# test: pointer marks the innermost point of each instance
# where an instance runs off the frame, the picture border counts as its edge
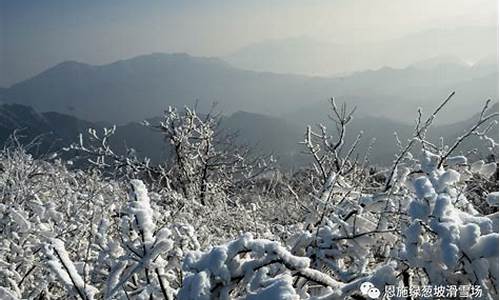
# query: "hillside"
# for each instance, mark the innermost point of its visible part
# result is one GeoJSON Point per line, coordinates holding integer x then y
{"type": "Point", "coordinates": [58, 130]}
{"type": "Point", "coordinates": [263, 133]}
{"type": "Point", "coordinates": [144, 86]}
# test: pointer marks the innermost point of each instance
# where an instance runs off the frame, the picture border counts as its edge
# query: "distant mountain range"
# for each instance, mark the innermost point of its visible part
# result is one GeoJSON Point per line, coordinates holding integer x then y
{"type": "Point", "coordinates": [269, 110]}
{"type": "Point", "coordinates": [265, 134]}
{"type": "Point", "coordinates": [55, 130]}
{"type": "Point", "coordinates": [60, 130]}
{"type": "Point", "coordinates": [307, 56]}
{"type": "Point", "coordinates": [144, 86]}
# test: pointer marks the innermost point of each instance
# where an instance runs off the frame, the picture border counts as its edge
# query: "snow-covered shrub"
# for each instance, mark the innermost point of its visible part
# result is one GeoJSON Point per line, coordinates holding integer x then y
{"type": "Point", "coordinates": [429, 219]}
{"type": "Point", "coordinates": [447, 241]}
{"type": "Point", "coordinates": [206, 162]}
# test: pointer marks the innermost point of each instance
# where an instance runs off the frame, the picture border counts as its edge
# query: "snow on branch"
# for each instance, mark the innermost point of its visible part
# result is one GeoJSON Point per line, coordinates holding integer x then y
{"type": "Point", "coordinates": [60, 263]}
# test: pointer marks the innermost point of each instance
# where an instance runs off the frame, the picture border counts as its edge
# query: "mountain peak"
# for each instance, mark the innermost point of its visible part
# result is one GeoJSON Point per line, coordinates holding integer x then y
{"type": "Point", "coordinates": [70, 64]}
{"type": "Point", "coordinates": [64, 68]}
{"type": "Point", "coordinates": [177, 57]}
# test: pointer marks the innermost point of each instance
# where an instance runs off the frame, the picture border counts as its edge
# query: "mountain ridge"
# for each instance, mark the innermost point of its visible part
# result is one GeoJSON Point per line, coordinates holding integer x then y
{"type": "Point", "coordinates": [144, 86]}
{"type": "Point", "coordinates": [305, 55]}
{"type": "Point", "coordinates": [263, 133]}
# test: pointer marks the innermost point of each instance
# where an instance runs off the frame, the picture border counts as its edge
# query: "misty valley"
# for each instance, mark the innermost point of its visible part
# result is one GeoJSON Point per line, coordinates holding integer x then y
{"type": "Point", "coordinates": [268, 111]}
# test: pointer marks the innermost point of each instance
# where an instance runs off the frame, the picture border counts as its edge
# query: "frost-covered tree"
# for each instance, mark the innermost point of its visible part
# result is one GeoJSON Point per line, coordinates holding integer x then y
{"type": "Point", "coordinates": [189, 228]}
{"type": "Point", "coordinates": [205, 162]}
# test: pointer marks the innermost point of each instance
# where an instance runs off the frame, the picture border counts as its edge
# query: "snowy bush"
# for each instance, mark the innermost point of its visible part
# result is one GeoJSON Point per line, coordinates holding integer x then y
{"type": "Point", "coordinates": [186, 229]}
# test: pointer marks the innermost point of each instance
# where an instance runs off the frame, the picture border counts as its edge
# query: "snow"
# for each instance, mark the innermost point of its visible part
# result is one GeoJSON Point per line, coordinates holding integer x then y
{"type": "Point", "coordinates": [196, 287]}
{"type": "Point", "coordinates": [486, 246]}
{"type": "Point", "coordinates": [280, 289]}
{"type": "Point", "coordinates": [488, 170]}
{"type": "Point", "coordinates": [140, 208]}
{"type": "Point", "coordinates": [443, 206]}
{"type": "Point", "coordinates": [424, 188]}
{"type": "Point", "coordinates": [429, 161]}
{"type": "Point", "coordinates": [419, 209]}
{"type": "Point", "coordinates": [114, 277]}
{"type": "Point", "coordinates": [22, 222]}
{"type": "Point", "coordinates": [5, 294]}
{"type": "Point", "coordinates": [469, 235]}
{"type": "Point", "coordinates": [449, 253]}
{"type": "Point", "coordinates": [449, 177]}
{"type": "Point", "coordinates": [494, 218]}
{"type": "Point", "coordinates": [492, 199]}
{"type": "Point", "coordinates": [457, 160]}
{"type": "Point", "coordinates": [282, 236]}
{"type": "Point", "coordinates": [477, 166]}
{"type": "Point", "coordinates": [61, 264]}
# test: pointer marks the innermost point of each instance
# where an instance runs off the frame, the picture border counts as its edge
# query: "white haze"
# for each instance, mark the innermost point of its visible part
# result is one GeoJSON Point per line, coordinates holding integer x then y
{"type": "Point", "coordinates": [35, 35]}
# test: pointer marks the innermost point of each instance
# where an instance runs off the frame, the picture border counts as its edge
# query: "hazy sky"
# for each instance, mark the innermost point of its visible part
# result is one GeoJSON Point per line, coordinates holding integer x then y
{"type": "Point", "coordinates": [35, 34]}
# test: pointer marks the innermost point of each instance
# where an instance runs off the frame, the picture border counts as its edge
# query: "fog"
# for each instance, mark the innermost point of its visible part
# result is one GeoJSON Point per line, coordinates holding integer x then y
{"type": "Point", "coordinates": [35, 35]}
